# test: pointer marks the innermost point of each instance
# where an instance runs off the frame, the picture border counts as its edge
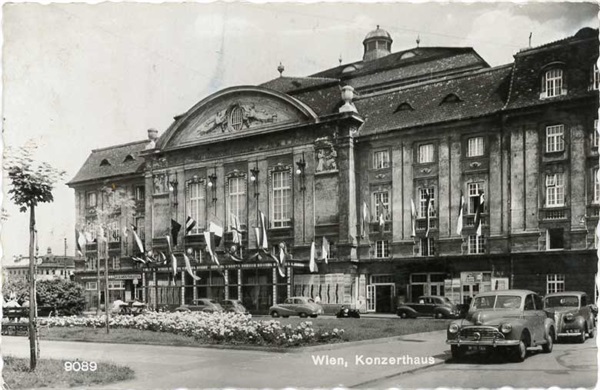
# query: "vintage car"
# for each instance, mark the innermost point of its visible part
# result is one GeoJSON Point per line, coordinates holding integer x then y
{"type": "Point", "coordinates": [300, 306]}
{"type": "Point", "coordinates": [572, 313]}
{"type": "Point", "coordinates": [429, 306]}
{"type": "Point", "coordinates": [510, 320]}
{"type": "Point", "coordinates": [233, 306]}
{"type": "Point", "coordinates": [347, 312]}
{"type": "Point", "coordinates": [202, 304]}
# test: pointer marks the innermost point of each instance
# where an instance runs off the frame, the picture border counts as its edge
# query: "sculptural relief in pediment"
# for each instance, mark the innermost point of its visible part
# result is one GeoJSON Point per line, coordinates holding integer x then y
{"type": "Point", "coordinates": [237, 117]}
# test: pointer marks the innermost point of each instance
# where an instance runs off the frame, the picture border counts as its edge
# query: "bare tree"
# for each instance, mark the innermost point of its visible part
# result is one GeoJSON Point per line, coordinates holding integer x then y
{"type": "Point", "coordinates": [30, 183]}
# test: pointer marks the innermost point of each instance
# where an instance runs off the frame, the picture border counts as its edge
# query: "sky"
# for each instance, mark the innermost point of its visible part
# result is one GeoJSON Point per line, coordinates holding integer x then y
{"type": "Point", "coordinates": [77, 77]}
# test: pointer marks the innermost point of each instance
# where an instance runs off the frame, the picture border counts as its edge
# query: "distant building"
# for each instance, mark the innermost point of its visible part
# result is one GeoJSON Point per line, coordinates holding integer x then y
{"type": "Point", "coordinates": [372, 157]}
{"type": "Point", "coordinates": [49, 267]}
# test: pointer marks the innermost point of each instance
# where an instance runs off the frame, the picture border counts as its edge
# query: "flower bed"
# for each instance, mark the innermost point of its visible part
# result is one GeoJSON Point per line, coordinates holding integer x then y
{"type": "Point", "coordinates": [213, 328]}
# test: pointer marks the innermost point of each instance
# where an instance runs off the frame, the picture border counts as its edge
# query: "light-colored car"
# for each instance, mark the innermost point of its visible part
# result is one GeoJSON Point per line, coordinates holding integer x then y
{"type": "Point", "coordinates": [511, 320]}
{"type": "Point", "coordinates": [428, 306]}
{"type": "Point", "coordinates": [572, 314]}
{"type": "Point", "coordinates": [233, 306]}
{"type": "Point", "coordinates": [300, 306]}
{"type": "Point", "coordinates": [202, 304]}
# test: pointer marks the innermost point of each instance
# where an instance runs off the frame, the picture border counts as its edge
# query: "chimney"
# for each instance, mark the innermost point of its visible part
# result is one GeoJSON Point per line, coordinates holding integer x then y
{"type": "Point", "coordinates": [152, 137]}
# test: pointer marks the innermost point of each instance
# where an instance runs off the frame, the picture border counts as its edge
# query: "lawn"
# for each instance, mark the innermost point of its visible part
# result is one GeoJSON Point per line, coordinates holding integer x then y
{"type": "Point", "coordinates": [354, 330]}
{"type": "Point", "coordinates": [53, 374]}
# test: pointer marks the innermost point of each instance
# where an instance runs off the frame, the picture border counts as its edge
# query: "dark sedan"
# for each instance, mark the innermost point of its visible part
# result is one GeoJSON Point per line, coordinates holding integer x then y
{"type": "Point", "coordinates": [573, 314]}
{"type": "Point", "coordinates": [428, 306]}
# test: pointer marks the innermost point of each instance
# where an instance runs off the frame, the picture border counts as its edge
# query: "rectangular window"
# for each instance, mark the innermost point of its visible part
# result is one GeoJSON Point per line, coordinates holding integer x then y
{"type": "Point", "coordinates": [475, 147]}
{"type": "Point", "coordinates": [555, 138]}
{"type": "Point", "coordinates": [474, 191]}
{"type": "Point", "coordinates": [236, 199]}
{"type": "Point", "coordinates": [114, 232]}
{"type": "Point", "coordinates": [92, 200]}
{"type": "Point", "coordinates": [423, 202]}
{"type": "Point", "coordinates": [116, 263]}
{"type": "Point", "coordinates": [554, 82]}
{"type": "Point", "coordinates": [382, 249]}
{"type": "Point", "coordinates": [476, 244]}
{"type": "Point", "coordinates": [555, 190]}
{"type": "Point", "coordinates": [91, 285]}
{"type": "Point", "coordinates": [115, 285]}
{"type": "Point", "coordinates": [555, 239]}
{"type": "Point", "coordinates": [426, 153]}
{"type": "Point", "coordinates": [596, 181]}
{"type": "Point", "coordinates": [197, 205]}
{"type": "Point", "coordinates": [381, 204]}
{"type": "Point", "coordinates": [281, 195]}
{"type": "Point", "coordinates": [595, 77]}
{"type": "Point", "coordinates": [381, 159]}
{"type": "Point", "coordinates": [595, 134]}
{"type": "Point", "coordinates": [555, 283]}
{"type": "Point", "coordinates": [426, 247]}
{"type": "Point", "coordinates": [140, 193]}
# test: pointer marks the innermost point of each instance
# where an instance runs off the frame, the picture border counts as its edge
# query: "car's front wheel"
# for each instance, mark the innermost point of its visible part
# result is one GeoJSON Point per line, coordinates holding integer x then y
{"type": "Point", "coordinates": [274, 314]}
{"type": "Point", "coordinates": [402, 314]}
{"type": "Point", "coordinates": [591, 332]}
{"type": "Point", "coordinates": [547, 348]}
{"type": "Point", "coordinates": [581, 338]}
{"type": "Point", "coordinates": [520, 351]}
{"type": "Point", "coordinates": [439, 315]}
{"type": "Point", "coordinates": [457, 351]}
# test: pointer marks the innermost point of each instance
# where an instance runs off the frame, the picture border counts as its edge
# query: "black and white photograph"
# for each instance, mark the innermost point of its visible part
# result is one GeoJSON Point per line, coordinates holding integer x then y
{"type": "Point", "coordinates": [211, 195]}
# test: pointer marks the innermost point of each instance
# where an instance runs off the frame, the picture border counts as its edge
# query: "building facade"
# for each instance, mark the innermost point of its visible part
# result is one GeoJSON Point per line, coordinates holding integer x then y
{"type": "Point", "coordinates": [49, 267]}
{"type": "Point", "coordinates": [370, 162]}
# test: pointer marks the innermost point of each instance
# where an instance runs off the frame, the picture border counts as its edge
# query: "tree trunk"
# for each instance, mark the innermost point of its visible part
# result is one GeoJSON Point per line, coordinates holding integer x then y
{"type": "Point", "coordinates": [32, 293]}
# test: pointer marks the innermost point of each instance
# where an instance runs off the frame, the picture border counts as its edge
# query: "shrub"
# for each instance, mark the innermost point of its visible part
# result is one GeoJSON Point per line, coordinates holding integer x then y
{"type": "Point", "coordinates": [214, 328]}
{"type": "Point", "coordinates": [66, 296]}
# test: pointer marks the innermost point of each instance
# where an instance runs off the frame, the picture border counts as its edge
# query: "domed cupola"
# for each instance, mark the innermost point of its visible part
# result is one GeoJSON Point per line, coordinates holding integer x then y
{"type": "Point", "coordinates": [377, 43]}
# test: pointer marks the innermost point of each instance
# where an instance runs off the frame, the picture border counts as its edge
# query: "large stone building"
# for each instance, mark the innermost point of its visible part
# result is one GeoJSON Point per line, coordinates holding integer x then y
{"type": "Point", "coordinates": [49, 267]}
{"type": "Point", "coordinates": [373, 156]}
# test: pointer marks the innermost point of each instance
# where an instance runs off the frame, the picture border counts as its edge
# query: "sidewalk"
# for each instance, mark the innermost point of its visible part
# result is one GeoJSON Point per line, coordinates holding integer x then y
{"type": "Point", "coordinates": [160, 367]}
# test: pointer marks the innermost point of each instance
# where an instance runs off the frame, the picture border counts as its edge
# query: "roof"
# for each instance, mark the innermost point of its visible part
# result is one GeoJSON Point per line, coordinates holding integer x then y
{"type": "Point", "coordinates": [506, 292]}
{"type": "Point", "coordinates": [111, 162]}
{"type": "Point", "coordinates": [560, 294]}
{"type": "Point", "coordinates": [291, 85]}
{"type": "Point", "coordinates": [479, 93]}
{"type": "Point", "coordinates": [422, 61]}
{"type": "Point", "coordinates": [378, 33]}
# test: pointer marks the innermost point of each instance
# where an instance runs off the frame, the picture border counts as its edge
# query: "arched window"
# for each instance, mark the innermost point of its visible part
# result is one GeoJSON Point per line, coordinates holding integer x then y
{"type": "Point", "coordinates": [451, 98]}
{"type": "Point", "coordinates": [104, 163]}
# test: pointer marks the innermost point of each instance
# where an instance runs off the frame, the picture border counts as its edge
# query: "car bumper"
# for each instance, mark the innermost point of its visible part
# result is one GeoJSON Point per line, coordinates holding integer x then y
{"type": "Point", "coordinates": [569, 334]}
{"type": "Point", "coordinates": [490, 343]}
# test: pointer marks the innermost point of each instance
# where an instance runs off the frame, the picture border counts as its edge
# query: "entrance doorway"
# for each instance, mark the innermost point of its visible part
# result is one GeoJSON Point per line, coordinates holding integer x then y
{"type": "Point", "coordinates": [384, 296]}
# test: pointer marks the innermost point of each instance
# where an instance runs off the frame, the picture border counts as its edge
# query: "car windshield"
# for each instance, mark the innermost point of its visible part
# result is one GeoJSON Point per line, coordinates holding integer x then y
{"type": "Point", "coordinates": [497, 302]}
{"type": "Point", "coordinates": [561, 301]}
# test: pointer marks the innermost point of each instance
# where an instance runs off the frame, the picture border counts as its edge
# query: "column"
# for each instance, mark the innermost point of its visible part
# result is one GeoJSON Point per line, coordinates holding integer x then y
{"type": "Point", "coordinates": [226, 283]}
{"type": "Point", "coordinates": [182, 297]}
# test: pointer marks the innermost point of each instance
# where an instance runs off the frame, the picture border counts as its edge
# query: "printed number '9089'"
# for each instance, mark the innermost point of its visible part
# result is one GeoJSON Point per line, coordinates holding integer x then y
{"type": "Point", "coordinates": [81, 366]}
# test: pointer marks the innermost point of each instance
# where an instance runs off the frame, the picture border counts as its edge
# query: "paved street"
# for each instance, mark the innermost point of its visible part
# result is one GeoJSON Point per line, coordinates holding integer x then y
{"type": "Point", "coordinates": [159, 367]}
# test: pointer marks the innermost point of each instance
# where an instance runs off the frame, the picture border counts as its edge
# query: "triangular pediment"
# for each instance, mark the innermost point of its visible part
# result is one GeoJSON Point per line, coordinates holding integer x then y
{"type": "Point", "coordinates": [235, 112]}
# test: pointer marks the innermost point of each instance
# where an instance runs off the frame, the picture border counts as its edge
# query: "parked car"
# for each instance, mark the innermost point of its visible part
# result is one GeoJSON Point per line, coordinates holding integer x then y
{"type": "Point", "coordinates": [301, 306]}
{"type": "Point", "coordinates": [346, 312]}
{"type": "Point", "coordinates": [511, 320]}
{"type": "Point", "coordinates": [436, 306]}
{"type": "Point", "coordinates": [233, 306]}
{"type": "Point", "coordinates": [572, 313]}
{"type": "Point", "coordinates": [203, 304]}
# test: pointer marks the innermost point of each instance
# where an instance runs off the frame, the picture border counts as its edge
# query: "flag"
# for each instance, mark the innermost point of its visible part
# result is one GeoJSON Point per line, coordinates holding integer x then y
{"type": "Point", "coordinates": [325, 250]}
{"type": "Point", "coordinates": [312, 265]}
{"type": "Point", "coordinates": [125, 233]}
{"type": "Point", "coordinates": [263, 228]}
{"type": "Point", "coordinates": [413, 218]}
{"type": "Point", "coordinates": [175, 228]}
{"type": "Point", "coordinates": [282, 253]}
{"type": "Point", "coordinates": [138, 259]}
{"type": "Point", "coordinates": [258, 238]}
{"type": "Point", "coordinates": [209, 237]}
{"type": "Point", "coordinates": [461, 206]}
{"type": "Point", "coordinates": [427, 207]}
{"type": "Point", "coordinates": [162, 257]}
{"type": "Point", "coordinates": [190, 223]}
{"type": "Point", "coordinates": [478, 212]}
{"type": "Point", "coordinates": [235, 229]}
{"type": "Point", "coordinates": [188, 268]}
{"type": "Point", "coordinates": [171, 255]}
{"type": "Point", "coordinates": [218, 233]}
{"type": "Point", "coordinates": [88, 237]}
{"type": "Point", "coordinates": [233, 253]}
{"type": "Point", "coordinates": [80, 239]}
{"type": "Point", "coordinates": [381, 216]}
{"type": "Point", "coordinates": [365, 219]}
{"type": "Point", "coordinates": [137, 239]}
{"type": "Point", "coordinates": [278, 263]}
